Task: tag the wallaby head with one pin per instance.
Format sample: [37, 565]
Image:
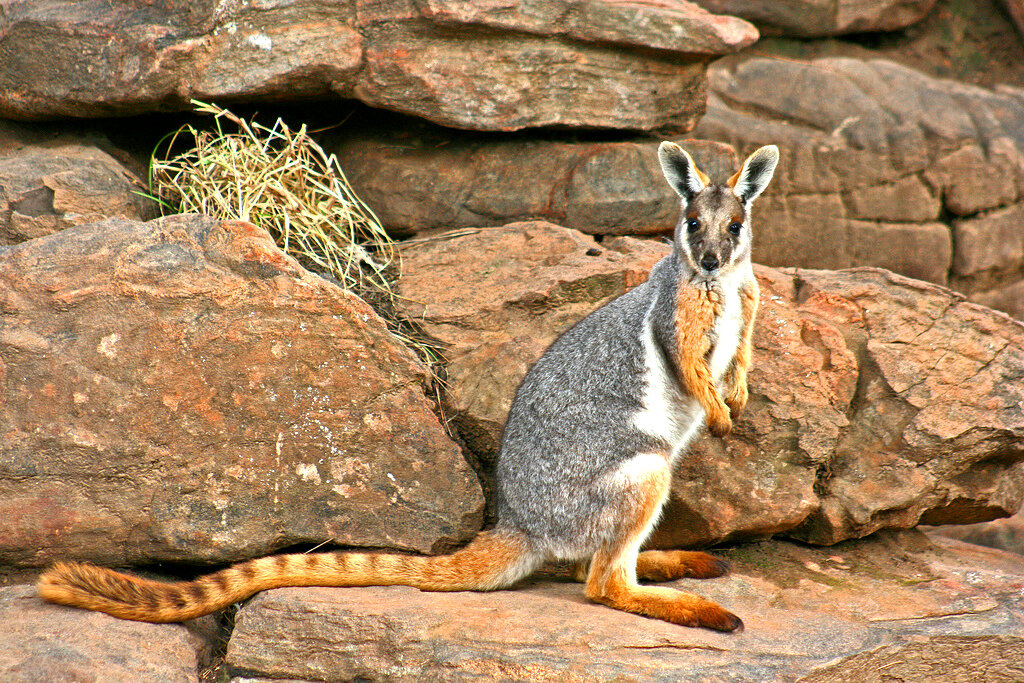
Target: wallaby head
[714, 235]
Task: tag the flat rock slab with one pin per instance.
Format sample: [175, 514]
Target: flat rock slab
[489, 66]
[915, 609]
[809, 18]
[435, 179]
[44, 642]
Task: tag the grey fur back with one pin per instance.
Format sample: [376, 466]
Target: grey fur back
[571, 421]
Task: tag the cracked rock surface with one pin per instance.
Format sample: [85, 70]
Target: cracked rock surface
[882, 166]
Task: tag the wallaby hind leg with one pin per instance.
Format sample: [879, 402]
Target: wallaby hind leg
[668, 565]
[612, 578]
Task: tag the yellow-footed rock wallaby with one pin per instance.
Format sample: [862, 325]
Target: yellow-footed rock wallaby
[588, 448]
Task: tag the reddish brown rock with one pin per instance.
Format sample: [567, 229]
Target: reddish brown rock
[436, 179]
[818, 18]
[897, 602]
[1002, 534]
[497, 297]
[44, 642]
[183, 390]
[48, 187]
[468, 65]
[876, 401]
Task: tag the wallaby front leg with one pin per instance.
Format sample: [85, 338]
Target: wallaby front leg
[611, 579]
[696, 310]
[737, 395]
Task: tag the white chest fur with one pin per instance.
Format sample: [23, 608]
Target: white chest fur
[728, 329]
[669, 414]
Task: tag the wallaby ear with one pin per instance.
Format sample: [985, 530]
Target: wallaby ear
[680, 171]
[749, 182]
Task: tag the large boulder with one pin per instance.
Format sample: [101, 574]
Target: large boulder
[485, 66]
[896, 604]
[818, 18]
[183, 390]
[877, 401]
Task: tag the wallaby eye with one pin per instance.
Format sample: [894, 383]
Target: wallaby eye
[734, 228]
[692, 225]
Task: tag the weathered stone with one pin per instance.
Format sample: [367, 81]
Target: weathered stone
[868, 176]
[935, 430]
[971, 180]
[1002, 534]
[44, 642]
[818, 18]
[661, 24]
[44, 189]
[183, 390]
[468, 65]
[994, 241]
[446, 180]
[1009, 298]
[937, 610]
[907, 199]
[876, 401]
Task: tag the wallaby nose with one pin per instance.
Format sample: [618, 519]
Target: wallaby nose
[709, 262]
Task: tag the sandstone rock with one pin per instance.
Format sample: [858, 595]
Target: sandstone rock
[991, 242]
[434, 179]
[183, 390]
[1002, 534]
[44, 642]
[1009, 298]
[48, 187]
[484, 66]
[877, 401]
[817, 18]
[874, 156]
[914, 610]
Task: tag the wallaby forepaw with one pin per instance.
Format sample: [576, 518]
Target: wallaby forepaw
[737, 400]
[720, 426]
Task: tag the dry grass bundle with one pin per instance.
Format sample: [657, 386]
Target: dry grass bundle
[283, 181]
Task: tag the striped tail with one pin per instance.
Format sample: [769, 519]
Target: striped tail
[494, 559]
